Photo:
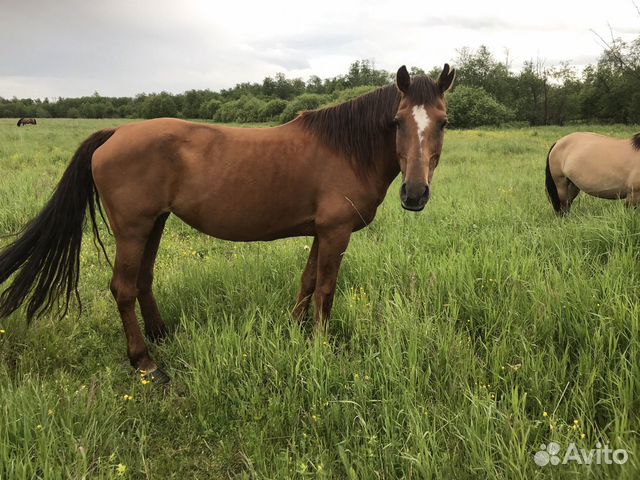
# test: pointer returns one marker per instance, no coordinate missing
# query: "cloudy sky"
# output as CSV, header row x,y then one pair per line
x,y
69,48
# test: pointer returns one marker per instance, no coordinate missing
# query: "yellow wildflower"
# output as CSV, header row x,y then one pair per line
x,y
545,414
121,469
2,331
127,398
50,412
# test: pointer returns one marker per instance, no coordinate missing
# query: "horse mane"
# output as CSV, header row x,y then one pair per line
x,y
358,128
635,141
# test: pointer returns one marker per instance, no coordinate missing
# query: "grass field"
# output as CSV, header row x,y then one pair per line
x,y
463,338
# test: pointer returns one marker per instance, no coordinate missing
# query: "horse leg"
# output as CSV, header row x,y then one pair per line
x,y
632,199
307,284
154,327
562,185
572,193
331,247
130,246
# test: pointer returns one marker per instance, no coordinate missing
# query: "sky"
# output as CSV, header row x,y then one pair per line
x,y
70,48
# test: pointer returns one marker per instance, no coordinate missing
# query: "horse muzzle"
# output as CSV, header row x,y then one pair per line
x,y
414,196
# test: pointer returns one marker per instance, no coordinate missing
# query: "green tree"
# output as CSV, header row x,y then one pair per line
x,y
307,101
209,109
272,109
243,110
161,105
351,93
470,107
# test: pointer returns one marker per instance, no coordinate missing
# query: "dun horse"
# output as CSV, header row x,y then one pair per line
x,y
27,121
323,175
601,166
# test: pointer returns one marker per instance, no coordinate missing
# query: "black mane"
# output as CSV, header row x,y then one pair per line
x,y
358,128
635,141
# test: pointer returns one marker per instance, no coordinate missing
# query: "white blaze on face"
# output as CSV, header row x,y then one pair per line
x,y
422,121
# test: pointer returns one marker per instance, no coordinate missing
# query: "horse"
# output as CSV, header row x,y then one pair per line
x,y
323,174
598,165
27,121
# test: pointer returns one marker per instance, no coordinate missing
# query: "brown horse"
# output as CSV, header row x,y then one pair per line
x,y
323,175
27,121
601,166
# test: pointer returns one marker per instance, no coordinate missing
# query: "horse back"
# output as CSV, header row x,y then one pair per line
x,y
600,165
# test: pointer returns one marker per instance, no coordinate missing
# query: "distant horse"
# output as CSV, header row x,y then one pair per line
x,y
601,166
323,175
27,121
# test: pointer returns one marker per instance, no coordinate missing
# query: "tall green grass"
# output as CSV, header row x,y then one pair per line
x,y
454,331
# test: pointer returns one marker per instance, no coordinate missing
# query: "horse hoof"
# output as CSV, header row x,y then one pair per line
x,y
157,376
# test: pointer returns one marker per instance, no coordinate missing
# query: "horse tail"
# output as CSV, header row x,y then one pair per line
x,y
35,122
46,255
552,190
20,122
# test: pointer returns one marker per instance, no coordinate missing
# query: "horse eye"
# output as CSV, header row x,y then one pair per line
x,y
444,124
395,122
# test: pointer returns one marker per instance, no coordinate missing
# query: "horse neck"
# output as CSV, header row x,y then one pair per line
x,y
387,166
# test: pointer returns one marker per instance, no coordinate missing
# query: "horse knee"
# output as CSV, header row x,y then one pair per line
x,y
144,284
125,296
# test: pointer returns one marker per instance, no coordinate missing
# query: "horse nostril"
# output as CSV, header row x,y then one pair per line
x,y
403,192
414,195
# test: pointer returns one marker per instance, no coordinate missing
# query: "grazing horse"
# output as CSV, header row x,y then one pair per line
x,y
27,121
601,166
323,175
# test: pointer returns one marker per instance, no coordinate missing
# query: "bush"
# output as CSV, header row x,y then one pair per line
x,y
209,109
42,112
73,112
342,96
272,109
243,110
470,107
306,101
156,106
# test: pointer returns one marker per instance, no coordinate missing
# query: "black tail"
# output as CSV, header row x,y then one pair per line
x,y
20,122
552,190
46,256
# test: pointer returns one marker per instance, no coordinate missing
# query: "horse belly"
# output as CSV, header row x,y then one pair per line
x,y
241,208
246,225
598,176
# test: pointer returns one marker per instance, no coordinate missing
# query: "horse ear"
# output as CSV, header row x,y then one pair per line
x,y
403,79
445,80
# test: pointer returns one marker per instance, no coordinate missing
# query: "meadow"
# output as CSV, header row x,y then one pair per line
x,y
463,337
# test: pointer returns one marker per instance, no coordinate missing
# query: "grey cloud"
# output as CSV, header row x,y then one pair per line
x,y
327,40
485,23
292,52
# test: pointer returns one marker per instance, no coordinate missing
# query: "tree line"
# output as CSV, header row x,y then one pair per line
x,y
487,92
